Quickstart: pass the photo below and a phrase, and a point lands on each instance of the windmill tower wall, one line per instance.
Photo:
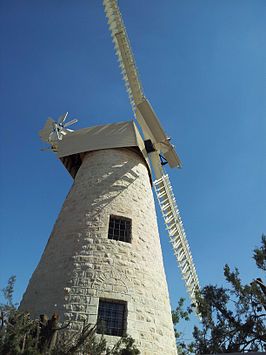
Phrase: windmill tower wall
(81, 266)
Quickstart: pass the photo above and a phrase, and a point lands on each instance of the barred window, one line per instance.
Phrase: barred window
(120, 229)
(111, 317)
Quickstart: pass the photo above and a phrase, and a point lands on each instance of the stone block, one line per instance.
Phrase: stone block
(81, 258)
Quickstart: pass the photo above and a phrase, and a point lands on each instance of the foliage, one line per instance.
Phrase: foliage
(233, 319)
(8, 293)
(128, 345)
(177, 315)
(259, 254)
(21, 335)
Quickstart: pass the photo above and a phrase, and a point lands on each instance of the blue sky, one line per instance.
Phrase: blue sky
(202, 64)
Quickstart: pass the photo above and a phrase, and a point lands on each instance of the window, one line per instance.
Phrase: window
(111, 317)
(120, 229)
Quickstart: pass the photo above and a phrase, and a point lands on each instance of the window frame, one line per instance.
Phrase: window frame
(110, 329)
(116, 232)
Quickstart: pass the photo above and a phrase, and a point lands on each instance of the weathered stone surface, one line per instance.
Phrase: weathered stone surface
(80, 264)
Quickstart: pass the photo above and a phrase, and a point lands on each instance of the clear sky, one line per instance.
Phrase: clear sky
(202, 64)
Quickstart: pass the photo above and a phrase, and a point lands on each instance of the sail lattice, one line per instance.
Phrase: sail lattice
(177, 234)
(124, 53)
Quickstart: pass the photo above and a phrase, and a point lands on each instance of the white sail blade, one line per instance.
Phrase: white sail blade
(177, 234)
(124, 53)
(62, 118)
(157, 134)
(47, 129)
(141, 107)
(69, 123)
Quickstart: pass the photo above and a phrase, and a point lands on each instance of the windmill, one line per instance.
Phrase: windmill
(103, 261)
(157, 144)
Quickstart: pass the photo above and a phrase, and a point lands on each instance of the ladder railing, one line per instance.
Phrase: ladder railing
(177, 234)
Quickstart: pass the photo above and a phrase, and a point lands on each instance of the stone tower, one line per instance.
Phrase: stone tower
(103, 261)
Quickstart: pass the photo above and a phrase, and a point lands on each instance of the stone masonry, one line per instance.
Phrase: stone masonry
(80, 264)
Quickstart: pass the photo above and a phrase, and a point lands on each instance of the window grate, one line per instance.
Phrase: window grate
(120, 229)
(111, 317)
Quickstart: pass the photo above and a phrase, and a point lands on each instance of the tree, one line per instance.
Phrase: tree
(260, 254)
(177, 315)
(233, 318)
(19, 334)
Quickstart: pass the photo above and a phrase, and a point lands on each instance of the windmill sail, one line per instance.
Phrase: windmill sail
(124, 53)
(153, 131)
(177, 234)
